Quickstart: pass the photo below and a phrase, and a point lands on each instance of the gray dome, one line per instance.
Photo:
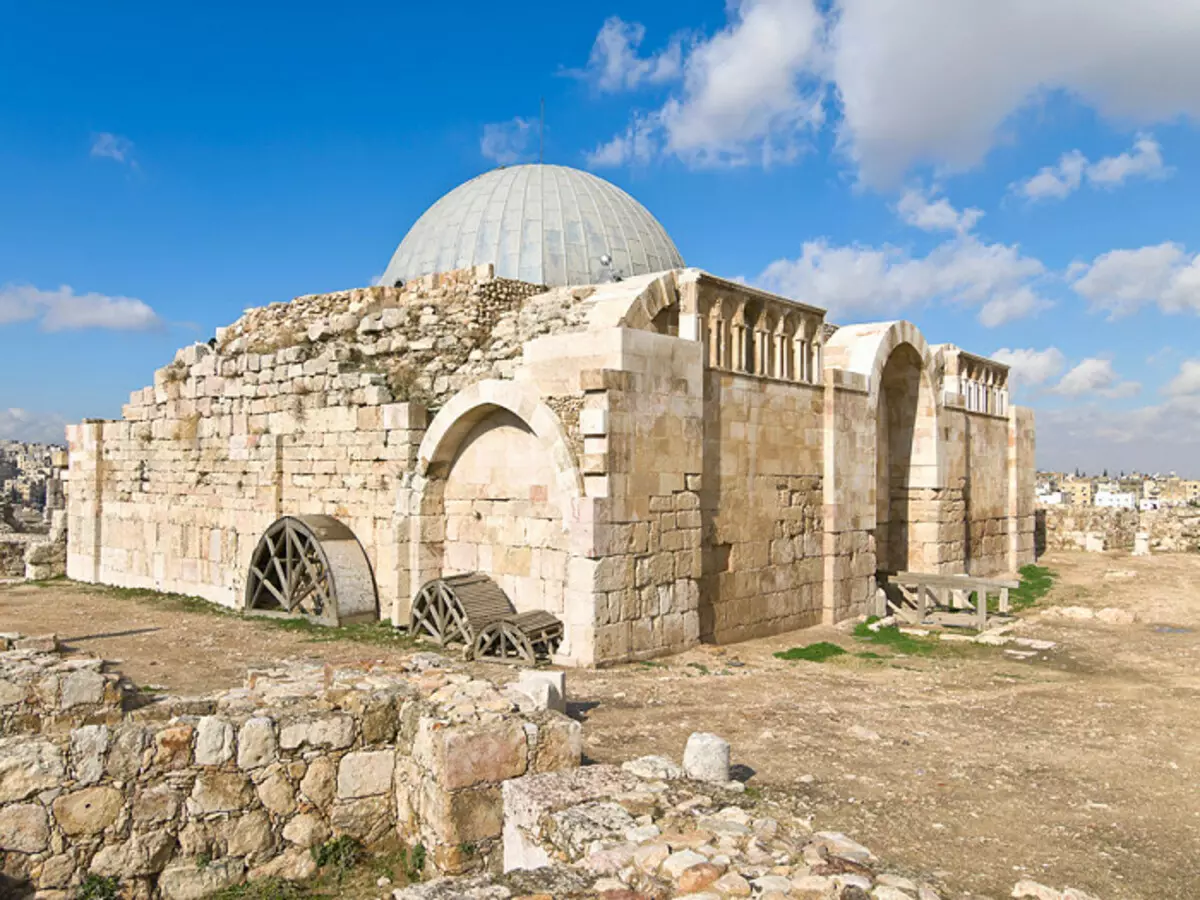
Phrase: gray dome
(537, 223)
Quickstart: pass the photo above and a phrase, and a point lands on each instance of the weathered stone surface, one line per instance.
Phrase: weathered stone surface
(219, 792)
(88, 746)
(698, 877)
(291, 865)
(125, 751)
(192, 881)
(214, 741)
(24, 827)
(333, 733)
(81, 687)
(368, 819)
(653, 767)
(365, 774)
(256, 743)
(173, 747)
(88, 811)
(706, 757)
(27, 767)
(318, 784)
(680, 861)
(306, 830)
(10, 693)
(276, 793)
(249, 834)
(156, 805)
(475, 755)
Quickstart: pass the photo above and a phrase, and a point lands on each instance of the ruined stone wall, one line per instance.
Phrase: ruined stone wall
(762, 506)
(180, 798)
(1171, 530)
(311, 407)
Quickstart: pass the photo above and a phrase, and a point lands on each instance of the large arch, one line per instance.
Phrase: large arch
(496, 491)
(901, 377)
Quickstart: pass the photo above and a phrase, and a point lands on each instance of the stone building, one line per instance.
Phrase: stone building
(660, 458)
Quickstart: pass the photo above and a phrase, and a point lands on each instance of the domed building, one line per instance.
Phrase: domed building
(541, 224)
(541, 416)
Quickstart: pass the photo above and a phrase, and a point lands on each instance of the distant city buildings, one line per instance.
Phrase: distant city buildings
(28, 474)
(1133, 491)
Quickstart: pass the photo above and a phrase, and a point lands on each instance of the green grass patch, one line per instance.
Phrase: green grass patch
(870, 655)
(699, 667)
(96, 887)
(1036, 582)
(893, 639)
(818, 652)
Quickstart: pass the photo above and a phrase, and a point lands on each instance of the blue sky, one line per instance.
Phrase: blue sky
(1018, 179)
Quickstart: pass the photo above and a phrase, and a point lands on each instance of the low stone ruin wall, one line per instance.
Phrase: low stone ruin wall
(644, 831)
(181, 797)
(1171, 530)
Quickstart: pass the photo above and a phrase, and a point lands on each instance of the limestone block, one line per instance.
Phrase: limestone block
(88, 811)
(256, 743)
(470, 755)
(190, 880)
(214, 741)
(88, 745)
(24, 827)
(547, 689)
(216, 792)
(318, 783)
(156, 805)
(706, 757)
(28, 766)
(333, 732)
(306, 830)
(365, 774)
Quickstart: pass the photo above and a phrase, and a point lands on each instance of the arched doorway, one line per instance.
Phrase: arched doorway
(503, 513)
(905, 459)
(495, 491)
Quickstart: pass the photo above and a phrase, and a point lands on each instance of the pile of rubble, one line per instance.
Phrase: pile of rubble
(653, 830)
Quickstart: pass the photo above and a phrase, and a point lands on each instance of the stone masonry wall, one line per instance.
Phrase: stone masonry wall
(1171, 530)
(180, 798)
(762, 506)
(313, 406)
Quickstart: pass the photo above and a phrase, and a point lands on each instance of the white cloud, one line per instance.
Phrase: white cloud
(918, 208)
(614, 64)
(1121, 281)
(1029, 367)
(1187, 382)
(1145, 161)
(508, 142)
(64, 310)
(919, 82)
(930, 81)
(876, 282)
(106, 145)
(1095, 376)
(1160, 438)
(1056, 182)
(748, 93)
(35, 428)
(637, 144)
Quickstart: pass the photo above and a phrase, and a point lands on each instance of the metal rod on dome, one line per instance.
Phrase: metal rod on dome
(542, 134)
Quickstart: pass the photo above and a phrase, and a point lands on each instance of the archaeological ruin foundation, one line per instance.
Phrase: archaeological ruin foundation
(655, 458)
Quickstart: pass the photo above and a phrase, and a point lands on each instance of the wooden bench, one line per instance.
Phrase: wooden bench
(946, 591)
(472, 609)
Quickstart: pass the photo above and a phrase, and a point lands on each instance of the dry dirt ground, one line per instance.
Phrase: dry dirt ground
(1078, 766)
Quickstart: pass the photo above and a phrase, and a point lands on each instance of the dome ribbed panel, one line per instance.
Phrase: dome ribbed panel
(543, 224)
